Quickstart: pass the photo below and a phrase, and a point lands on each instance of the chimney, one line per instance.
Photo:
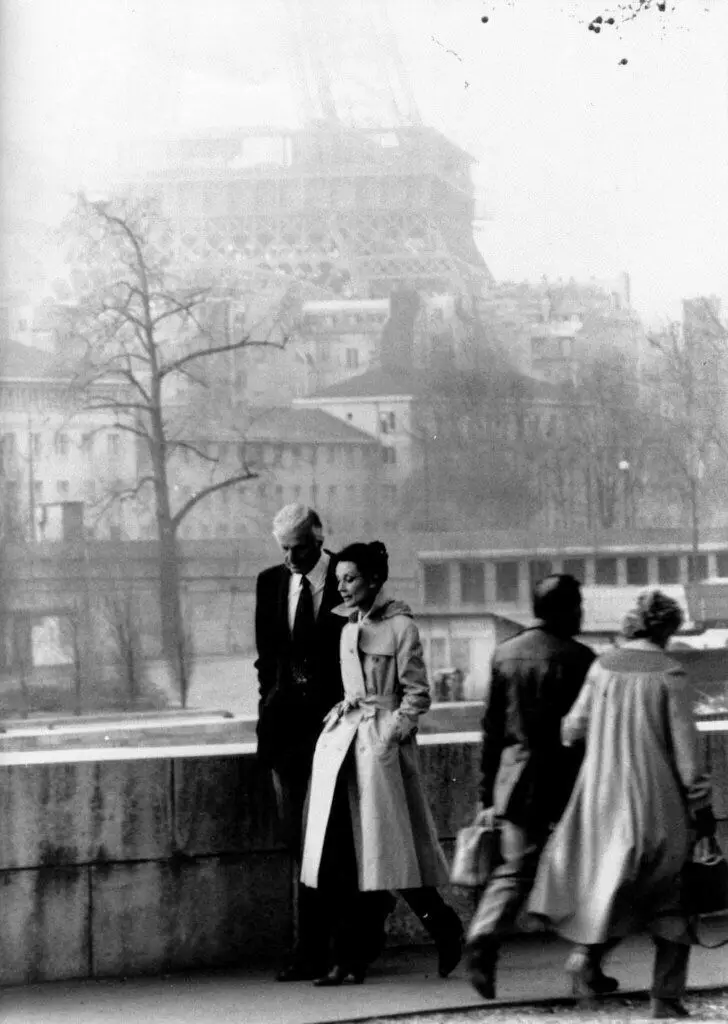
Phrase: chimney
(398, 334)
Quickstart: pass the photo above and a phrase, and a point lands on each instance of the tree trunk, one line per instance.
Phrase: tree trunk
(170, 607)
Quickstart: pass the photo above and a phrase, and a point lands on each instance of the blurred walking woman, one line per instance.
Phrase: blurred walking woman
(369, 828)
(614, 863)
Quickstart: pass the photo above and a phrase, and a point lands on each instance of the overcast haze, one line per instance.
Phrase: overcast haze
(587, 166)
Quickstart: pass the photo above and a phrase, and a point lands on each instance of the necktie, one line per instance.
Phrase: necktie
(302, 634)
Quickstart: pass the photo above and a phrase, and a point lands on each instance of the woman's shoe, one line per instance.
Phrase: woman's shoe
(338, 975)
(588, 981)
(446, 929)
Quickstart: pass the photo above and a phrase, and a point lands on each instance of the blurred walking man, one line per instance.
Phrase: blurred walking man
(527, 776)
(299, 678)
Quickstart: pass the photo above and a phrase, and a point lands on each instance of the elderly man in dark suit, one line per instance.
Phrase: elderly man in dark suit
(299, 678)
(527, 775)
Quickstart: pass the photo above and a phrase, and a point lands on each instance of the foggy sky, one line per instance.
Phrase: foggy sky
(588, 167)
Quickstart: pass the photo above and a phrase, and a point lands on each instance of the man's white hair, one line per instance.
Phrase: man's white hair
(297, 518)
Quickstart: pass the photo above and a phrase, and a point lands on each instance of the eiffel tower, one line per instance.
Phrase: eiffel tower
(364, 199)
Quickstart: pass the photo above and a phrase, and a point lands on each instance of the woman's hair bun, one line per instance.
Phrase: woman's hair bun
(378, 549)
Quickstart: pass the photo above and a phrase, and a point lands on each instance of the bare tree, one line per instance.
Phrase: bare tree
(607, 426)
(688, 382)
(145, 350)
(121, 614)
(473, 440)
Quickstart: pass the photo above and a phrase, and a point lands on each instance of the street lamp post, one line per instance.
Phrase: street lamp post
(624, 468)
(696, 475)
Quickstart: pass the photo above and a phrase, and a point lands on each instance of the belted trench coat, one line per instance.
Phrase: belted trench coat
(386, 690)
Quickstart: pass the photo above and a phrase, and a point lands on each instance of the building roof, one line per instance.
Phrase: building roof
(289, 426)
(379, 382)
(373, 383)
(23, 362)
(304, 426)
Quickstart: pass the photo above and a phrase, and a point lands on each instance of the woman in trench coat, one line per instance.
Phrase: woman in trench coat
(613, 865)
(369, 828)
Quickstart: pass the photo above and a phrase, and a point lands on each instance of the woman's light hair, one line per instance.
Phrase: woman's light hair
(654, 615)
(297, 518)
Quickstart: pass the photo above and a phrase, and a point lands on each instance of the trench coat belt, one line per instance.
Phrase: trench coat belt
(368, 705)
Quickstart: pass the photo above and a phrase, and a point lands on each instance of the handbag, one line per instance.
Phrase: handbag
(477, 851)
(705, 883)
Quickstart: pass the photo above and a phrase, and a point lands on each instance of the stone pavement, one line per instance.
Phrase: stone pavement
(404, 981)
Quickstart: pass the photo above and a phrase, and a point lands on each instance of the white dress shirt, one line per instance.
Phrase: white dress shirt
(317, 578)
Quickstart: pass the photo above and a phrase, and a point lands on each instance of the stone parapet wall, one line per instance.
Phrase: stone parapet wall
(126, 862)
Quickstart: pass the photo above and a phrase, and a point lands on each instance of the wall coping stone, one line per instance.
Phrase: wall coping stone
(175, 753)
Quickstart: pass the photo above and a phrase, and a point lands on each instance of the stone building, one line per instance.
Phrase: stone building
(56, 455)
(294, 454)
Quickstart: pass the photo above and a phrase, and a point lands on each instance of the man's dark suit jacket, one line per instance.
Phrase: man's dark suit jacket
(527, 775)
(290, 717)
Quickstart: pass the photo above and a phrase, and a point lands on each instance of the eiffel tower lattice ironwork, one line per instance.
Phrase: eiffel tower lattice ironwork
(361, 201)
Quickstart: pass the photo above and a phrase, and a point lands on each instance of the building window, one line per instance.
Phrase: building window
(538, 569)
(389, 495)
(262, 492)
(36, 441)
(697, 567)
(472, 583)
(352, 359)
(460, 654)
(61, 444)
(387, 422)
(436, 576)
(605, 572)
(38, 490)
(332, 494)
(636, 570)
(668, 569)
(389, 456)
(438, 653)
(8, 449)
(113, 444)
(721, 563)
(575, 567)
(279, 495)
(349, 416)
(62, 488)
(506, 581)
(295, 451)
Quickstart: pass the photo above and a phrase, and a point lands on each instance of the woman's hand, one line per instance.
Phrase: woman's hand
(484, 816)
(400, 729)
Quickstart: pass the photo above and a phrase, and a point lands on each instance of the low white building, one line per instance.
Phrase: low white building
(55, 455)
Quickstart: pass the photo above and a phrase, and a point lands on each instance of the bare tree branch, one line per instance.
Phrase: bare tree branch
(172, 445)
(119, 496)
(206, 491)
(174, 367)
